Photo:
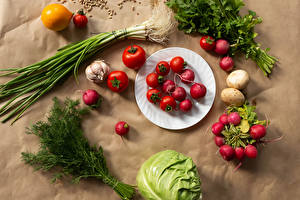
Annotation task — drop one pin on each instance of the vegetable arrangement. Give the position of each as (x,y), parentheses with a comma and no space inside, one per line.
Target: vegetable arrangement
(169,175)
(63,144)
(220,19)
(238,132)
(34,81)
(169,88)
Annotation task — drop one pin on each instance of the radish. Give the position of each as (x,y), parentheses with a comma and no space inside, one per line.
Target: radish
(226,152)
(226,63)
(250,151)
(219,141)
(224,119)
(234,118)
(92,98)
(121,128)
(185,105)
(257,131)
(239,153)
(179,94)
(222,47)
(217,128)
(168,86)
(198,90)
(187,76)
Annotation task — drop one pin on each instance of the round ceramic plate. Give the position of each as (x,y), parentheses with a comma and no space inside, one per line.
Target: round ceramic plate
(176,120)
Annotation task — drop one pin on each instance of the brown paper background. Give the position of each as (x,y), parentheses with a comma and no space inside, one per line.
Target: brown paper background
(275,174)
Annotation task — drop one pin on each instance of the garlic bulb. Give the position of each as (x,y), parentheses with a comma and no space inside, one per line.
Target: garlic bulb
(97,71)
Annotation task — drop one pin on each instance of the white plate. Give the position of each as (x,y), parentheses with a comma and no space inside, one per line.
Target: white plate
(176,120)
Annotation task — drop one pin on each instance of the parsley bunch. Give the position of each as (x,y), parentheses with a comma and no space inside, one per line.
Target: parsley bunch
(221,19)
(64,147)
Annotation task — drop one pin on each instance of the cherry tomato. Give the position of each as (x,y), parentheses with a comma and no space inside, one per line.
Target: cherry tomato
(177,64)
(134,57)
(80,20)
(162,68)
(207,43)
(154,95)
(117,81)
(168,104)
(154,80)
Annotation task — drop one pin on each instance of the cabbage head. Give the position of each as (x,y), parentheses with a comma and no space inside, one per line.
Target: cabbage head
(169,175)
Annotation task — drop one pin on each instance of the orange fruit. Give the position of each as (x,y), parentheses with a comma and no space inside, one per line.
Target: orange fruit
(56,17)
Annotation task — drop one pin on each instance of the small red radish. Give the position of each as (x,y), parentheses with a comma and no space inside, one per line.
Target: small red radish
(217,128)
(234,118)
(226,63)
(187,76)
(239,153)
(257,131)
(179,94)
(121,128)
(250,151)
(92,98)
(185,105)
(222,47)
(168,86)
(226,152)
(219,141)
(224,119)
(198,90)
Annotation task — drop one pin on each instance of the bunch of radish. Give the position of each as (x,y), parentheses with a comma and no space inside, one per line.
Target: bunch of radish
(166,92)
(238,132)
(221,47)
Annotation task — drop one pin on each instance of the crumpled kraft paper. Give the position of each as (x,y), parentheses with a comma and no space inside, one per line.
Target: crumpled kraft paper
(275,174)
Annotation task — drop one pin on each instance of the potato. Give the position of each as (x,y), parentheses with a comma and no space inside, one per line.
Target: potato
(238,79)
(232,96)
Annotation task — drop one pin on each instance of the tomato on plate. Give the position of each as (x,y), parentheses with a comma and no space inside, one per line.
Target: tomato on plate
(177,64)
(207,43)
(168,104)
(162,68)
(154,95)
(117,81)
(134,57)
(154,80)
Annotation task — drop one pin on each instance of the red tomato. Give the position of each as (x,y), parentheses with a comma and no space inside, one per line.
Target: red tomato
(162,68)
(134,57)
(177,64)
(154,80)
(80,20)
(168,104)
(207,43)
(117,81)
(154,95)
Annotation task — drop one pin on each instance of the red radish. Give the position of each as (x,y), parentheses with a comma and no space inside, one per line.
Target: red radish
(223,119)
(179,94)
(234,118)
(219,141)
(198,90)
(226,152)
(239,153)
(168,86)
(187,76)
(257,131)
(217,128)
(222,47)
(91,98)
(226,63)
(250,151)
(185,105)
(121,128)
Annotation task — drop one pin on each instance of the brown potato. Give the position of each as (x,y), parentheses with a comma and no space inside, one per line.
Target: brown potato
(232,96)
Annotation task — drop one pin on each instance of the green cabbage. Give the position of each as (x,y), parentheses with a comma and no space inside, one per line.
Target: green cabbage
(169,175)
